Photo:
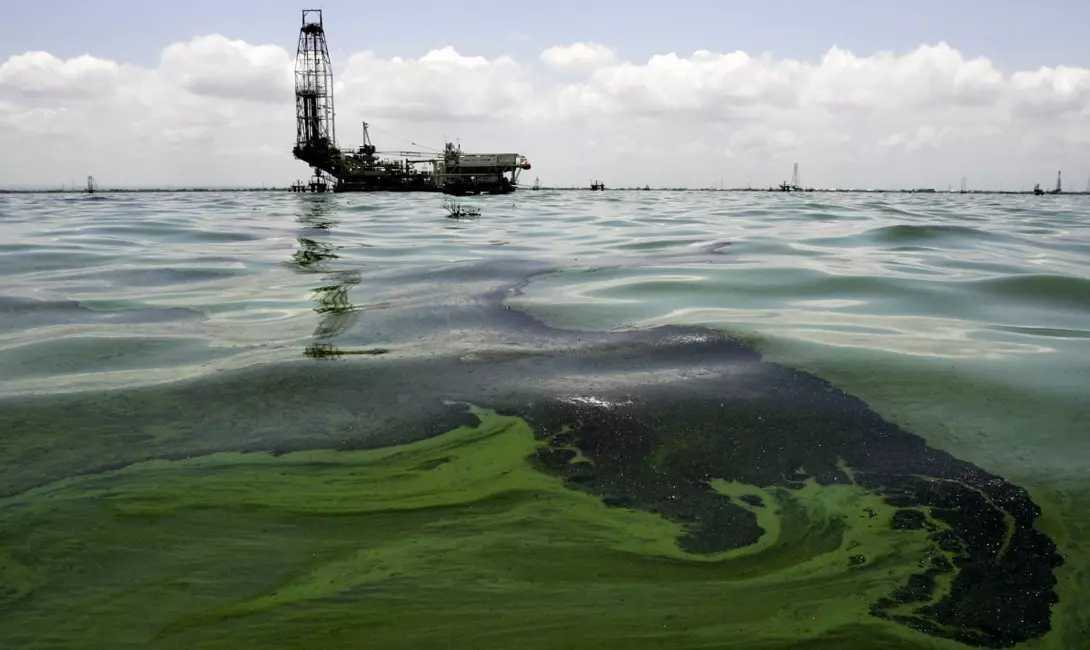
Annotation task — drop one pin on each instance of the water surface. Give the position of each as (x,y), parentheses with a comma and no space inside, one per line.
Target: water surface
(242,418)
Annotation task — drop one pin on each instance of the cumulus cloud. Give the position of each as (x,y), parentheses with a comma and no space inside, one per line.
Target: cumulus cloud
(578,56)
(215,66)
(441,85)
(1051,92)
(43,75)
(217,110)
(929,77)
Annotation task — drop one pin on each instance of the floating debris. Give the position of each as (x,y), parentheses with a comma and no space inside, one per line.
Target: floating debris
(458,211)
(327,351)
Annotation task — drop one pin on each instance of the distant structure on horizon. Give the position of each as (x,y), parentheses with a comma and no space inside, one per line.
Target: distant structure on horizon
(794,185)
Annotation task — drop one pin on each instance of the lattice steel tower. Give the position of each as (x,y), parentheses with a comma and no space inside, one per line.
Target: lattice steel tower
(314,127)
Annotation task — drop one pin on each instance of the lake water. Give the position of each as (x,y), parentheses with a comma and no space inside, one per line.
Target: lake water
(264,419)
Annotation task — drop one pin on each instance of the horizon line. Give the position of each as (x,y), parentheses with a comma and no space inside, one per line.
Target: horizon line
(768,190)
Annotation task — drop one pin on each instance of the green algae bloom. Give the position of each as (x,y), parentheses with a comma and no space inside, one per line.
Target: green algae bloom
(452,541)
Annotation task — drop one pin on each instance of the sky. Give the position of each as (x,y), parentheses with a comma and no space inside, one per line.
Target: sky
(685,93)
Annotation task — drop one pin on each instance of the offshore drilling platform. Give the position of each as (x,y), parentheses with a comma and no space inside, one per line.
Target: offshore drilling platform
(364,170)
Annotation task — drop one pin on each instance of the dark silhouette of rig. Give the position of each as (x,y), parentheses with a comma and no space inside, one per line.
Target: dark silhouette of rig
(450,171)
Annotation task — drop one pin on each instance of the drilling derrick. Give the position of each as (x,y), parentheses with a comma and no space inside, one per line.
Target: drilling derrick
(363,170)
(315,133)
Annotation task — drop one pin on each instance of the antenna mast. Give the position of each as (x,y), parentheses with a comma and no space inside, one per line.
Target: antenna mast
(313,86)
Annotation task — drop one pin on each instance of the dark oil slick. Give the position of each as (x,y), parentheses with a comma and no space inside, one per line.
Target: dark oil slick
(657,488)
(769,427)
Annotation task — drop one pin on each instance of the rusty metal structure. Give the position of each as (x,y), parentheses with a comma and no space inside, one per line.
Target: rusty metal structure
(365,169)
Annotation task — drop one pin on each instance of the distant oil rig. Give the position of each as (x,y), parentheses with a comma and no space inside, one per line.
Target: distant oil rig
(1059,186)
(451,172)
(794,185)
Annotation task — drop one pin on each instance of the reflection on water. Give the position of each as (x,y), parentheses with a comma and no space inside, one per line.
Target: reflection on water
(315,254)
(312,253)
(338,312)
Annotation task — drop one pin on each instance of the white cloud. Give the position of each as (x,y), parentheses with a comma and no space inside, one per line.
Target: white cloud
(44,75)
(216,110)
(578,56)
(439,86)
(929,77)
(1051,92)
(215,66)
